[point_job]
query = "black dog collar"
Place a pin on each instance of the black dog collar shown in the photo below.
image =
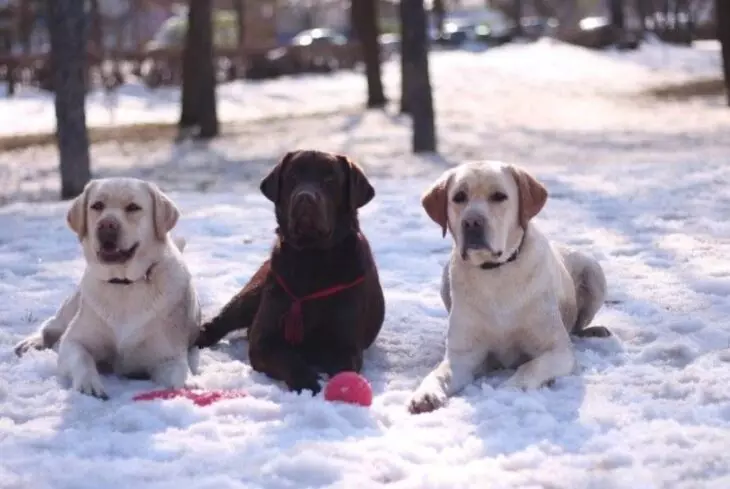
(126, 281)
(492, 265)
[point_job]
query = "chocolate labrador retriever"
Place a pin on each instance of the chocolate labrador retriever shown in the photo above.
(316, 304)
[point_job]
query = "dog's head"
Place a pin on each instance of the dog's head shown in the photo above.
(317, 196)
(120, 222)
(486, 206)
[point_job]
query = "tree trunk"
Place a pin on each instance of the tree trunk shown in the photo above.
(240, 61)
(365, 24)
(404, 81)
(439, 14)
(616, 13)
(199, 109)
(419, 97)
(67, 29)
(722, 13)
(518, 12)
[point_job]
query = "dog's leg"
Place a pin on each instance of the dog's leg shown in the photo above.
(75, 361)
(281, 362)
(52, 328)
(341, 361)
(171, 373)
(239, 313)
(554, 363)
(456, 371)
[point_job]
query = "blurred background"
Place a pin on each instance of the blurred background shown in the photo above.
(206, 93)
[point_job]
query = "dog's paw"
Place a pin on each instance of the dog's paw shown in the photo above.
(90, 384)
(306, 380)
(171, 374)
(426, 400)
(594, 332)
(33, 342)
(521, 380)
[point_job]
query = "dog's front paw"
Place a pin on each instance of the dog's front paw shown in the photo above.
(521, 380)
(90, 384)
(306, 380)
(171, 374)
(33, 342)
(425, 400)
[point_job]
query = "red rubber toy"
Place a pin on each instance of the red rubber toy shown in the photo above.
(349, 387)
(198, 396)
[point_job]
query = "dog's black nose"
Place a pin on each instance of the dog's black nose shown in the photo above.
(107, 231)
(473, 222)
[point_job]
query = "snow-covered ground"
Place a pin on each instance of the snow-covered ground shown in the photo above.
(649, 408)
(640, 184)
(32, 111)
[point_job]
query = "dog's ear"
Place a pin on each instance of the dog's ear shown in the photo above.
(76, 216)
(435, 200)
(271, 184)
(164, 211)
(358, 187)
(533, 194)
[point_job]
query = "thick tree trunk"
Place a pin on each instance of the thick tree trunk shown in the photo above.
(617, 15)
(67, 29)
(198, 85)
(365, 24)
(404, 81)
(419, 97)
(439, 14)
(722, 12)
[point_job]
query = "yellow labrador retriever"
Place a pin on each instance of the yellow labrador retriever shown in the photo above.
(135, 312)
(513, 296)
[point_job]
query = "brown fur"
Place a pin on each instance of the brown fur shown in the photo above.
(337, 328)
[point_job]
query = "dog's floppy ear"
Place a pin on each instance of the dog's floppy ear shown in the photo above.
(435, 200)
(76, 216)
(533, 194)
(359, 188)
(164, 211)
(271, 184)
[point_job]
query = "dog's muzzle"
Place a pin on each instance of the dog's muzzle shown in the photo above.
(308, 220)
(474, 235)
(108, 231)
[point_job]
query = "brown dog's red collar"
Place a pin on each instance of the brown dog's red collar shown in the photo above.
(293, 319)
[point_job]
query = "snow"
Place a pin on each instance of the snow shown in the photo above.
(641, 185)
(32, 111)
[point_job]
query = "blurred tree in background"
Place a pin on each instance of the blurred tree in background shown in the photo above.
(364, 21)
(199, 113)
(722, 11)
(417, 91)
(67, 28)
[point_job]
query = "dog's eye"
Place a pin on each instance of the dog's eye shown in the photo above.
(132, 207)
(98, 205)
(459, 197)
(498, 197)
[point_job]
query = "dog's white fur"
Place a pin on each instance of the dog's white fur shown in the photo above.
(519, 314)
(146, 327)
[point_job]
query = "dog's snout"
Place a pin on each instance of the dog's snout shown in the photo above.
(307, 197)
(108, 232)
(473, 222)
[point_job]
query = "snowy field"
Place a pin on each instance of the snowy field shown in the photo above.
(641, 185)
(649, 408)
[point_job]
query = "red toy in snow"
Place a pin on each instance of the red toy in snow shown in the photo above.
(349, 387)
(198, 396)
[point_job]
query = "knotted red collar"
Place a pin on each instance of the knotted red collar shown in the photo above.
(293, 319)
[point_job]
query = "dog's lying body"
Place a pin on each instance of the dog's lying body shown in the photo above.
(135, 312)
(513, 296)
(319, 251)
